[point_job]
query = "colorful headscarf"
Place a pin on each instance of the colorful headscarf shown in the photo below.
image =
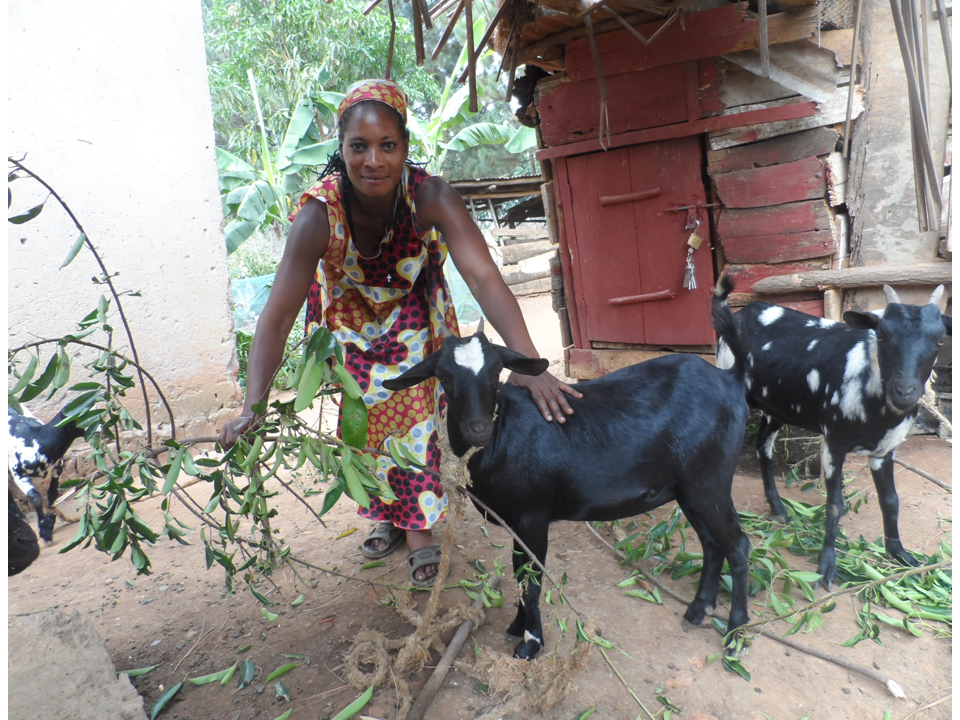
(385, 91)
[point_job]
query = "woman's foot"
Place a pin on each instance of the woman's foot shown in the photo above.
(417, 539)
(382, 540)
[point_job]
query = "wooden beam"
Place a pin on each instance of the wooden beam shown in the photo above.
(708, 33)
(773, 185)
(870, 276)
(696, 127)
(777, 151)
(587, 364)
(784, 247)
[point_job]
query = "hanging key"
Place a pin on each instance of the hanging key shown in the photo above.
(693, 242)
(689, 275)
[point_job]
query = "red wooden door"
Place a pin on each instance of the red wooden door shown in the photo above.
(623, 248)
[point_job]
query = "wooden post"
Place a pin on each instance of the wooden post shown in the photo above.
(833, 304)
(871, 276)
(471, 56)
(550, 211)
(493, 213)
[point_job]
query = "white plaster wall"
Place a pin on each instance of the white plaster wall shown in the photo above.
(108, 101)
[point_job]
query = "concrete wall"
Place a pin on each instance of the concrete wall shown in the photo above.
(882, 197)
(108, 102)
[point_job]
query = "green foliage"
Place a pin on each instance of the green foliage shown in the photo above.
(923, 601)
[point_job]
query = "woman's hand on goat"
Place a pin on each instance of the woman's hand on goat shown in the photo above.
(233, 430)
(548, 394)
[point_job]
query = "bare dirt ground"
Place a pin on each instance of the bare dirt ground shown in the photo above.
(181, 618)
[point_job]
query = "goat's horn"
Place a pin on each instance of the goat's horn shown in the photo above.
(936, 296)
(479, 327)
(891, 294)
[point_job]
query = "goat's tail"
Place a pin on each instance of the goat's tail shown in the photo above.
(730, 353)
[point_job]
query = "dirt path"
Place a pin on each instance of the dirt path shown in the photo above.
(181, 618)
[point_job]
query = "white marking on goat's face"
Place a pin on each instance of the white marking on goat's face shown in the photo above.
(826, 460)
(812, 345)
(813, 380)
(767, 346)
(892, 438)
(470, 356)
(528, 636)
(770, 315)
(851, 395)
(725, 357)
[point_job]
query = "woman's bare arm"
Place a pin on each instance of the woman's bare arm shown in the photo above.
(440, 206)
(306, 244)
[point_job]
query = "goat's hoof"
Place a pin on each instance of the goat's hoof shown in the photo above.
(688, 626)
(779, 518)
(527, 650)
(905, 558)
(694, 615)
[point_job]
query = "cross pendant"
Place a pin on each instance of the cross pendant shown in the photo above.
(389, 278)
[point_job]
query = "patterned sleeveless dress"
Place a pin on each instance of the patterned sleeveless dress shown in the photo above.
(389, 312)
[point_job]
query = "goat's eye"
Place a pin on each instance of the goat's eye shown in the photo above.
(940, 342)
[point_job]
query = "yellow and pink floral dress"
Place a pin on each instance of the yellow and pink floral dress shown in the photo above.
(389, 312)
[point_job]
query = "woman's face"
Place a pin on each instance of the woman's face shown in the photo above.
(373, 149)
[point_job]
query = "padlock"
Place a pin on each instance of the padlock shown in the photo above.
(695, 241)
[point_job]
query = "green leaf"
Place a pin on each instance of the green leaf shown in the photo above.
(300, 122)
(212, 677)
(237, 232)
(298, 601)
(26, 377)
(174, 472)
(43, 381)
(163, 700)
(313, 155)
(356, 706)
(228, 675)
(310, 382)
(247, 672)
(285, 715)
(523, 139)
(280, 671)
(282, 692)
(734, 665)
(480, 134)
(77, 246)
(28, 215)
(137, 672)
(272, 617)
(374, 564)
(350, 386)
(242, 650)
(353, 422)
(355, 488)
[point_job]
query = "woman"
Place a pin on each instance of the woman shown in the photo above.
(366, 249)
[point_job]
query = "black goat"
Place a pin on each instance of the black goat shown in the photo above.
(666, 429)
(35, 451)
(857, 384)
(22, 545)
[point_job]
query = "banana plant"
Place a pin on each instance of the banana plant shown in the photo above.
(431, 137)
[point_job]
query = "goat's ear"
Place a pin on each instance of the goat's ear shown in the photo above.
(415, 375)
(520, 363)
(947, 323)
(861, 321)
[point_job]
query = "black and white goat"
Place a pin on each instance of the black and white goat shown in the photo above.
(858, 384)
(666, 429)
(34, 452)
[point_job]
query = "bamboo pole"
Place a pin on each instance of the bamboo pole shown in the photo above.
(472, 57)
(446, 33)
(873, 276)
(393, 40)
(486, 35)
(418, 32)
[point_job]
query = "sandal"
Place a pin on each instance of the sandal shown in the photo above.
(385, 531)
(417, 559)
